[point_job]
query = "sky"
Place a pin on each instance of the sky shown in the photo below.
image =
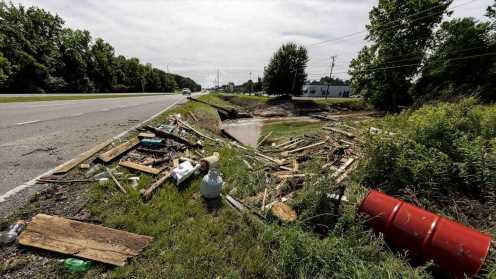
(197, 38)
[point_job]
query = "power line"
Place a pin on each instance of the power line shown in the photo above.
(419, 64)
(393, 25)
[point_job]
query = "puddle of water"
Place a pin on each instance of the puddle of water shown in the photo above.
(248, 131)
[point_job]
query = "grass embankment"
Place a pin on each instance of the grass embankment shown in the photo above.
(4, 99)
(191, 242)
(260, 102)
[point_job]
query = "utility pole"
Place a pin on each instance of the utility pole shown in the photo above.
(218, 79)
(333, 60)
(250, 83)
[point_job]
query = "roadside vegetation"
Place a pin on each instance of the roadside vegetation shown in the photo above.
(39, 54)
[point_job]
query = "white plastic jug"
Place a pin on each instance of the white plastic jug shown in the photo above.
(211, 184)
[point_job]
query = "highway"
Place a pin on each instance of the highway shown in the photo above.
(38, 136)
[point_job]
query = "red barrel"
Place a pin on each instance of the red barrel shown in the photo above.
(455, 248)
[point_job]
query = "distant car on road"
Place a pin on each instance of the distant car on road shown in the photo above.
(186, 91)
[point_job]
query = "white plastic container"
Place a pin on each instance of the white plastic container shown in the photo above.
(211, 185)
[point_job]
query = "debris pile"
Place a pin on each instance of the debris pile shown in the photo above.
(287, 163)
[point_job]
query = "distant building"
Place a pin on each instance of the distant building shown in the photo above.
(321, 90)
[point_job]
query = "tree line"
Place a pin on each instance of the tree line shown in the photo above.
(38, 54)
(414, 57)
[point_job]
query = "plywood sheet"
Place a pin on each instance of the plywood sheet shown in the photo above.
(83, 240)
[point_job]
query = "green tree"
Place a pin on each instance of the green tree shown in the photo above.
(30, 39)
(462, 63)
(285, 73)
(399, 32)
(75, 60)
(102, 72)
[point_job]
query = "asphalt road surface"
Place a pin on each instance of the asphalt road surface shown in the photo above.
(38, 136)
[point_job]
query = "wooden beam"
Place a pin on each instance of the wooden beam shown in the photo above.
(139, 167)
(82, 240)
(277, 161)
(187, 126)
(335, 130)
(119, 150)
(307, 147)
(64, 168)
(164, 134)
(264, 139)
(115, 180)
(147, 193)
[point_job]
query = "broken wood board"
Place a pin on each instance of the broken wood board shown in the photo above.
(147, 193)
(166, 135)
(87, 241)
(335, 130)
(264, 139)
(64, 168)
(139, 167)
(277, 161)
(283, 212)
(119, 150)
(306, 147)
(115, 180)
(146, 135)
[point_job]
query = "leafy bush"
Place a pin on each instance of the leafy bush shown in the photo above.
(437, 151)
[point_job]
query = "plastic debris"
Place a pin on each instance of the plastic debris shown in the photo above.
(183, 171)
(77, 265)
(9, 236)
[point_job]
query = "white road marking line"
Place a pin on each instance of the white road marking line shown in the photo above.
(28, 122)
(32, 182)
(77, 114)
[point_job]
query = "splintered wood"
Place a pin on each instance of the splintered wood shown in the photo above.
(119, 150)
(83, 240)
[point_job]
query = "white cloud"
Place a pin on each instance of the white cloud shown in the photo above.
(197, 37)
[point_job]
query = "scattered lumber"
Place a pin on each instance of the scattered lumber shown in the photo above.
(147, 193)
(277, 161)
(64, 168)
(264, 199)
(307, 147)
(193, 116)
(264, 139)
(87, 241)
(55, 181)
(292, 145)
(135, 166)
(285, 143)
(164, 134)
(247, 165)
(146, 135)
(152, 151)
(115, 180)
(339, 131)
(289, 176)
(344, 167)
(236, 204)
(296, 166)
(350, 166)
(119, 150)
(283, 212)
(187, 126)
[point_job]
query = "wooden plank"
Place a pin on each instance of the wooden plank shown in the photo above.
(146, 135)
(115, 180)
(64, 168)
(335, 130)
(119, 150)
(165, 135)
(307, 147)
(139, 167)
(264, 139)
(83, 240)
(147, 193)
(277, 161)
